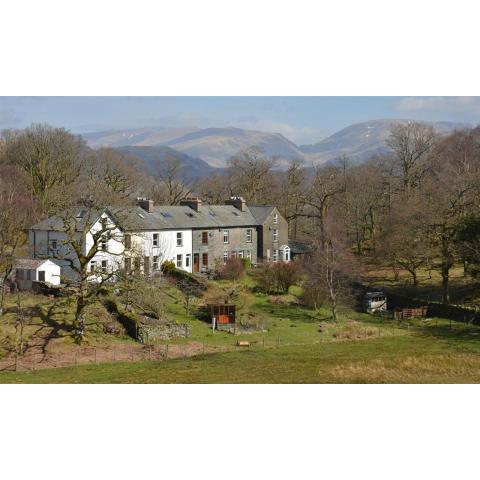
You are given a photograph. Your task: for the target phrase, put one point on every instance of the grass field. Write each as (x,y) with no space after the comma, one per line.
(413,358)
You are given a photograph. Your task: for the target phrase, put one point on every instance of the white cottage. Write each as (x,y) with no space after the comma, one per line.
(29,270)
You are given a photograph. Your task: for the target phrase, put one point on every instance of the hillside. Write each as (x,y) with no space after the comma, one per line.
(217,145)
(136,136)
(154,157)
(361,141)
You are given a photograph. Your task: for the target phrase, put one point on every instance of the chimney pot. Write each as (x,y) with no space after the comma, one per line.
(194,203)
(146,204)
(238,202)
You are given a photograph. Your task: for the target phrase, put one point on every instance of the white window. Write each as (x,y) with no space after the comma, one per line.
(155,239)
(104,266)
(249,254)
(93,266)
(179,239)
(275,235)
(275,255)
(225,256)
(249,235)
(179,260)
(240,253)
(187,260)
(155,265)
(226,236)
(275,218)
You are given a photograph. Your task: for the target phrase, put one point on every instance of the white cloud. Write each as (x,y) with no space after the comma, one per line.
(467,106)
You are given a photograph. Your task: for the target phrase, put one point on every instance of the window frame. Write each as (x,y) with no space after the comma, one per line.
(155,263)
(179,261)
(225,257)
(275,255)
(156,240)
(104,266)
(275,218)
(275,234)
(226,235)
(249,235)
(188,260)
(204,259)
(180,238)
(93,266)
(204,237)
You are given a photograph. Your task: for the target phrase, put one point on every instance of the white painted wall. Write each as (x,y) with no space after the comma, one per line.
(167,248)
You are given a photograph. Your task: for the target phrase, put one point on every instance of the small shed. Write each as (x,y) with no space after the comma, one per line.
(224,313)
(375,302)
(29,270)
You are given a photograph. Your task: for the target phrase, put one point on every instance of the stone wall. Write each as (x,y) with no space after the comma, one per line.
(148,334)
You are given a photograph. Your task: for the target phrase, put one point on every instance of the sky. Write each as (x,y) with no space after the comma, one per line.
(301,119)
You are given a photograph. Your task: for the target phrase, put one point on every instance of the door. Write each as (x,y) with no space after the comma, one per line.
(41,276)
(196,262)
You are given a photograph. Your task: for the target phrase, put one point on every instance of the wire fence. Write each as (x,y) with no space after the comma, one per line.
(31,361)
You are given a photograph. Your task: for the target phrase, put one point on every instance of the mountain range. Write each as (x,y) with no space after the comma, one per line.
(205,150)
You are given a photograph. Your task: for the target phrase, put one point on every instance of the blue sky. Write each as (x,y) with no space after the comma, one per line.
(301,119)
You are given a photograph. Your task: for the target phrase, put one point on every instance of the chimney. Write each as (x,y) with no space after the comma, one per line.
(194,203)
(238,202)
(146,204)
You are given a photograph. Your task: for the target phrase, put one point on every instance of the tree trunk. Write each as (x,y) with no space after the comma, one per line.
(79,322)
(445,284)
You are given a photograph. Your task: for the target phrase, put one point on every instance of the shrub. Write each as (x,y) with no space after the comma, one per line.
(168,267)
(234,269)
(277,277)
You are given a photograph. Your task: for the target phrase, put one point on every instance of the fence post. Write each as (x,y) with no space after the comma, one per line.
(166,351)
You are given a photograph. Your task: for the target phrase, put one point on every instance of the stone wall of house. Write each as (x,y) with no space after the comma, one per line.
(266,243)
(216,246)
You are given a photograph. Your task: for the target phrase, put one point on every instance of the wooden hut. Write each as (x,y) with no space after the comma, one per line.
(224,313)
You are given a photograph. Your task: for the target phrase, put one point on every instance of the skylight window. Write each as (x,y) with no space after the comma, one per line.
(141,215)
(81,213)
(166,214)
(189,214)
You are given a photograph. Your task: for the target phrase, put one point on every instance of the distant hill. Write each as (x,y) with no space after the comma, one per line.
(151,136)
(154,157)
(217,145)
(361,141)
(210,148)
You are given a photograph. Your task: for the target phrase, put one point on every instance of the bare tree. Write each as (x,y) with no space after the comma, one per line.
(50,157)
(411,142)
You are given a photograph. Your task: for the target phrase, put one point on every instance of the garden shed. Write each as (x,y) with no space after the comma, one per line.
(224,313)
(375,302)
(29,270)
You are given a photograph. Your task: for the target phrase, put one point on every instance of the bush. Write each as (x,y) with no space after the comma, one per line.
(168,267)
(234,269)
(277,277)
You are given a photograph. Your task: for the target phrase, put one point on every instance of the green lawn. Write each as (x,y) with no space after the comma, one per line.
(410,358)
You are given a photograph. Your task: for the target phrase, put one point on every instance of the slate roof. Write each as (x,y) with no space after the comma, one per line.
(261,212)
(179,217)
(29,263)
(80,214)
(162,217)
(298,248)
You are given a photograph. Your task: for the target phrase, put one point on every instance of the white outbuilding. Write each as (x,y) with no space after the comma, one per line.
(29,270)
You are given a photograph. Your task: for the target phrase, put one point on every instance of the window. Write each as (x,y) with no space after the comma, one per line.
(275,235)
(205,259)
(53,244)
(275,218)
(29,274)
(41,276)
(249,254)
(103,243)
(155,240)
(104,266)
(226,236)
(179,239)
(204,238)
(128,241)
(275,255)
(225,256)
(93,266)
(179,260)
(187,260)
(155,264)
(249,235)
(128,265)
(240,253)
